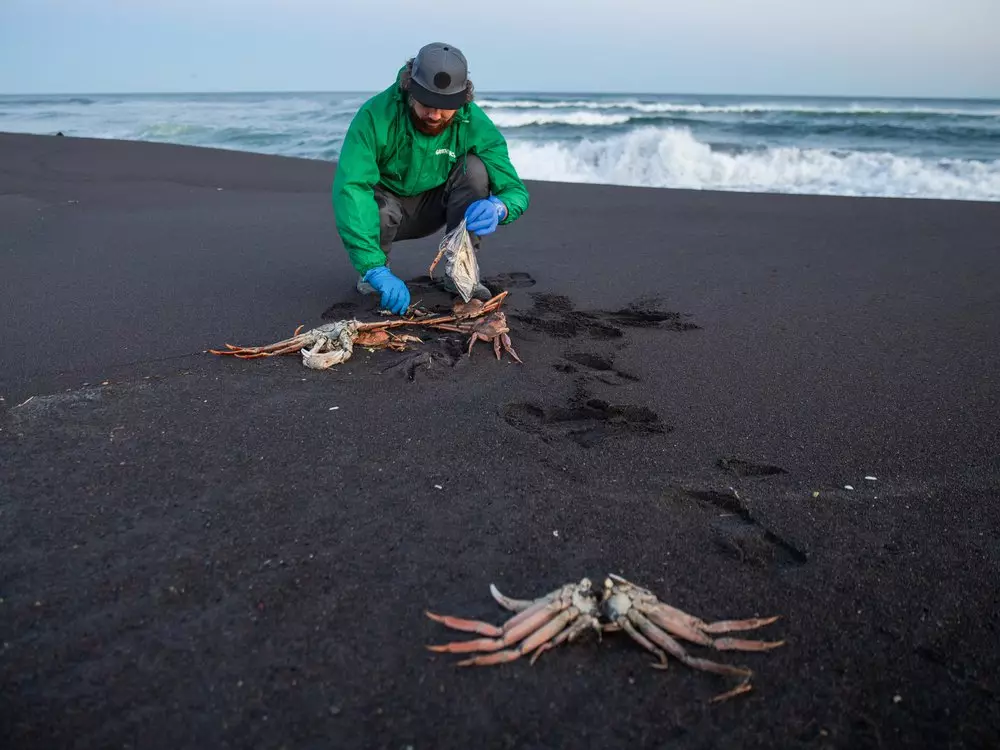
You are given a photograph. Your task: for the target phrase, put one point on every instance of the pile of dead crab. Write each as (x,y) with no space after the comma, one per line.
(571,610)
(333,343)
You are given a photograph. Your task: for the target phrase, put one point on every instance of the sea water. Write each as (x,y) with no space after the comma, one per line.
(916,148)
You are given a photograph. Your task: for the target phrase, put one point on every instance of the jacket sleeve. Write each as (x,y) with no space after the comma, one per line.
(354,206)
(505,183)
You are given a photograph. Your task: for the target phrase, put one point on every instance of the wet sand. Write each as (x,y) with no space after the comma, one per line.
(205,552)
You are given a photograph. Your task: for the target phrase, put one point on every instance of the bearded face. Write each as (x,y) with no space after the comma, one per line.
(428,120)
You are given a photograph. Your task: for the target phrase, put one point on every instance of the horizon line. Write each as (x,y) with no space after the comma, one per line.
(497,92)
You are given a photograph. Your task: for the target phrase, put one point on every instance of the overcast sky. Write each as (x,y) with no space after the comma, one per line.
(946,48)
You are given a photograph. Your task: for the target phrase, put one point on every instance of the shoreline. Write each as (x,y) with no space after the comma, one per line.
(602,185)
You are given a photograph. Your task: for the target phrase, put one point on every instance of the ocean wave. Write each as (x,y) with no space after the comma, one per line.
(167,131)
(580,119)
(45,100)
(674,158)
(859,109)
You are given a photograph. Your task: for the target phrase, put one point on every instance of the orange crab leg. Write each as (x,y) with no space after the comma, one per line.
(739,644)
(532,611)
(525,626)
(723,626)
(726,626)
(467,626)
(687,627)
(447,327)
(280,347)
(567,635)
(671,646)
(539,637)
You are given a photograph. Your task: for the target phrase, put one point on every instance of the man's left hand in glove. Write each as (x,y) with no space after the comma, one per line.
(483,216)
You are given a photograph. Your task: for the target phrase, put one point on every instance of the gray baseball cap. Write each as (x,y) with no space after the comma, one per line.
(439,75)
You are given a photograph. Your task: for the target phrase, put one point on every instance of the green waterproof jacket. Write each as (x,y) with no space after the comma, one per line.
(383,148)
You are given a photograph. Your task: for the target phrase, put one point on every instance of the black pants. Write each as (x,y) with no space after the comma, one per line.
(408,218)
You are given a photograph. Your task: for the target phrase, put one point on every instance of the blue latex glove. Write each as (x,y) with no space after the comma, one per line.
(395,295)
(482,216)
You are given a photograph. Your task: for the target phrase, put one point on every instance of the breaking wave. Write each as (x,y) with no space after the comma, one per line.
(920,148)
(673,157)
(738,108)
(580,119)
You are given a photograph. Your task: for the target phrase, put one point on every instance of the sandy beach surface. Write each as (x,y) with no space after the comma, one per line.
(751,404)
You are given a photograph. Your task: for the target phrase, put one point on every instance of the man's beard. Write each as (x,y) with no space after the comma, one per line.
(428,128)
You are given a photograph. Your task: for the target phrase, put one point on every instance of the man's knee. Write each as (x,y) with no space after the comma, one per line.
(473,171)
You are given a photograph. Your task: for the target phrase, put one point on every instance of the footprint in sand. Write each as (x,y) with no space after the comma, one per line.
(583,420)
(742,468)
(504,281)
(594,366)
(555,315)
(737,533)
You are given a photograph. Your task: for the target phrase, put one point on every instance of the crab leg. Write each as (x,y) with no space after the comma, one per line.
(723,626)
(645,643)
(485,628)
(509,347)
(513,630)
(692,629)
(466,626)
(518,605)
(473,339)
(280,347)
(567,635)
(672,647)
(430,271)
(726,626)
(660,638)
(536,639)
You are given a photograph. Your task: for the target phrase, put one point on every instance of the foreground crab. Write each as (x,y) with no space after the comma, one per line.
(563,614)
(539,625)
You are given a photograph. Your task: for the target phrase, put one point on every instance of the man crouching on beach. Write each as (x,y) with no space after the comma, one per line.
(418,156)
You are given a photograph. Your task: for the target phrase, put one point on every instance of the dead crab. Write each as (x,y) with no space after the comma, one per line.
(652,623)
(540,624)
(562,615)
(328,344)
(333,343)
(491,327)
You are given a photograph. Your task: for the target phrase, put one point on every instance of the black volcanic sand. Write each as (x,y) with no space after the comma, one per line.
(207,552)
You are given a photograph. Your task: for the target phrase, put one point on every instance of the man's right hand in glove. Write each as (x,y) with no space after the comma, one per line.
(395,295)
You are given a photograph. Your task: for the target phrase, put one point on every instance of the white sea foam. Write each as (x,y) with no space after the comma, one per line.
(735,108)
(672,157)
(584,119)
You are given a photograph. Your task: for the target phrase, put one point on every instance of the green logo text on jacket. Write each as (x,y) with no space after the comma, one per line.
(383,148)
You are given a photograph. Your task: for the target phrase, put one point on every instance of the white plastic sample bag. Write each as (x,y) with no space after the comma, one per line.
(460,260)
